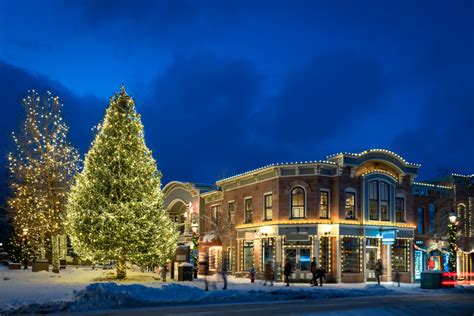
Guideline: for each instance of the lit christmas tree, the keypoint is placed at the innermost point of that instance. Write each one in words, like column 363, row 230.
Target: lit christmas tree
column 41, row 168
column 115, row 209
column 452, row 247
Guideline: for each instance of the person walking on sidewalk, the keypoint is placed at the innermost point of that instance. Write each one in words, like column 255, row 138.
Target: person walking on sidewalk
column 314, row 271
column 287, row 272
column 320, row 275
column 268, row 274
column 378, row 270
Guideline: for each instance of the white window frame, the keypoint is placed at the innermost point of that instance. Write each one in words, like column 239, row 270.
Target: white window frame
column 329, row 203
column 351, row 190
column 291, row 202
column 264, row 206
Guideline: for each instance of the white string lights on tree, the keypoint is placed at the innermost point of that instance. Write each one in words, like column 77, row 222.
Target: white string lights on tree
column 41, row 167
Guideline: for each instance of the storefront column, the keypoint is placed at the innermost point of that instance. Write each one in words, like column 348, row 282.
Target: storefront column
column 338, row 260
column 389, row 262
column 364, row 263
column 278, row 250
column 316, row 248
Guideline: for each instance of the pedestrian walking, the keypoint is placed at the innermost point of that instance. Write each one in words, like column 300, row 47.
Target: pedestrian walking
column 287, row 272
column 397, row 277
column 378, row 270
column 268, row 273
column 163, row 272
column 224, row 272
column 252, row 275
column 314, row 269
column 320, row 275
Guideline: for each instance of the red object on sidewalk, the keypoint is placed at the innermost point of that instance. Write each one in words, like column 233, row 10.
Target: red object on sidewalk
column 448, row 279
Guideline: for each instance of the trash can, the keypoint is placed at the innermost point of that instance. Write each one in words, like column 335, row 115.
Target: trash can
column 430, row 279
column 185, row 272
column 40, row 265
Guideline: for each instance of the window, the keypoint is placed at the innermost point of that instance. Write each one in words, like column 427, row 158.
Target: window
column 215, row 214
column 400, row 209
column 421, row 215
column 297, row 203
column 324, row 256
column 432, row 210
column 231, row 212
column 351, row 254
column 400, row 253
column 324, row 204
column 248, row 210
column 215, row 258
column 268, row 251
column 247, row 258
column 374, row 200
column 350, row 205
column 267, row 205
column 384, row 201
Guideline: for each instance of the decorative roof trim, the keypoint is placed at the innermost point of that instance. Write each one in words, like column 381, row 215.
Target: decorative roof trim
column 462, row 175
column 365, row 152
column 326, row 162
column 431, row 185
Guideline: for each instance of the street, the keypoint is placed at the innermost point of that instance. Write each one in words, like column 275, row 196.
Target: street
column 442, row 304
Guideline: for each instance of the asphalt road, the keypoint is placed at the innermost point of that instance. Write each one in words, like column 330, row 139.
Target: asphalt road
column 442, row 304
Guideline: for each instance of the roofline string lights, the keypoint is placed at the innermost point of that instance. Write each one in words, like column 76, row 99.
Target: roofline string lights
column 365, row 152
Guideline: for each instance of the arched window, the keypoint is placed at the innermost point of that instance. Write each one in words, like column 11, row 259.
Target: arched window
column 384, row 201
column 421, row 215
column 297, row 203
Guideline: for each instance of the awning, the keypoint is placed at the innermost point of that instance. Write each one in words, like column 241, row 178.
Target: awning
column 210, row 239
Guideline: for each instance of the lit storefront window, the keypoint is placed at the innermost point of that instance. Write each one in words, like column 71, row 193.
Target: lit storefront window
column 351, row 254
column 215, row 258
column 247, row 256
column 324, row 253
column 400, row 253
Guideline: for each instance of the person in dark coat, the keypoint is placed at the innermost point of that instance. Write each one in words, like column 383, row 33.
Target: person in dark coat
column 397, row 277
column 320, row 275
column 224, row 272
column 313, row 270
column 287, row 272
column 378, row 270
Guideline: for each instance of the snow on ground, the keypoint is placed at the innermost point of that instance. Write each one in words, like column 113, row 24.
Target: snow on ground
column 84, row 289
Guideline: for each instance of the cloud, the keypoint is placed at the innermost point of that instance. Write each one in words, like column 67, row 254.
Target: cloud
column 199, row 117
column 80, row 112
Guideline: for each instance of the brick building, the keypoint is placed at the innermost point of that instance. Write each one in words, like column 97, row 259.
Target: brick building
column 346, row 211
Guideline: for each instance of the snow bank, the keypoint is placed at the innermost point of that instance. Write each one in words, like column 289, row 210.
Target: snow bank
column 100, row 296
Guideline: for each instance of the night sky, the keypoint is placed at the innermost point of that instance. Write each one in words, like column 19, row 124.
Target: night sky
column 227, row 86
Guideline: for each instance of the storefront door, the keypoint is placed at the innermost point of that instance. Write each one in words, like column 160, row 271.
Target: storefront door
column 370, row 262
column 300, row 259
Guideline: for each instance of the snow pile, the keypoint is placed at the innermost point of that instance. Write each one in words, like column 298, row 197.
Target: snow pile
column 100, row 296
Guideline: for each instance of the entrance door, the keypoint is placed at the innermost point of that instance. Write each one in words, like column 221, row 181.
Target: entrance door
column 370, row 262
column 300, row 259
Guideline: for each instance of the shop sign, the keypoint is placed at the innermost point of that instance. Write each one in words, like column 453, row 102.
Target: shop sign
column 388, row 237
column 418, row 264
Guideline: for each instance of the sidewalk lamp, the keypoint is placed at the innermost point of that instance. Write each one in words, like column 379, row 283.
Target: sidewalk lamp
column 25, row 250
column 452, row 241
column 453, row 217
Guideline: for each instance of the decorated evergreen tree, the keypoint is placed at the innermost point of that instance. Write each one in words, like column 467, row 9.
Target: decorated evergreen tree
column 41, row 168
column 115, row 209
column 452, row 247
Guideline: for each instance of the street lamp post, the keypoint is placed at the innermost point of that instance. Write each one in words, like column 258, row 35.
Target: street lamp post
column 25, row 249
column 452, row 241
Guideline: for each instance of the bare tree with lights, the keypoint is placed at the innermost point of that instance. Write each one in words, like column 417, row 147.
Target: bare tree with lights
column 41, row 167
column 115, row 209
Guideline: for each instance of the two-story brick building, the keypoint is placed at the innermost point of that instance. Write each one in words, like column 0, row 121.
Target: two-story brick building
column 346, row 211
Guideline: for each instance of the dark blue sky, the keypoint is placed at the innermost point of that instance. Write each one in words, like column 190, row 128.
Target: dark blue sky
column 228, row 86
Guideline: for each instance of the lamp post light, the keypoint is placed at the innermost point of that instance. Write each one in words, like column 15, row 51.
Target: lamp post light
column 25, row 249
column 452, row 241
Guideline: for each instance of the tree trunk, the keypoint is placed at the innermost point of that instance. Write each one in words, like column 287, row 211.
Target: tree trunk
column 55, row 252
column 121, row 268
